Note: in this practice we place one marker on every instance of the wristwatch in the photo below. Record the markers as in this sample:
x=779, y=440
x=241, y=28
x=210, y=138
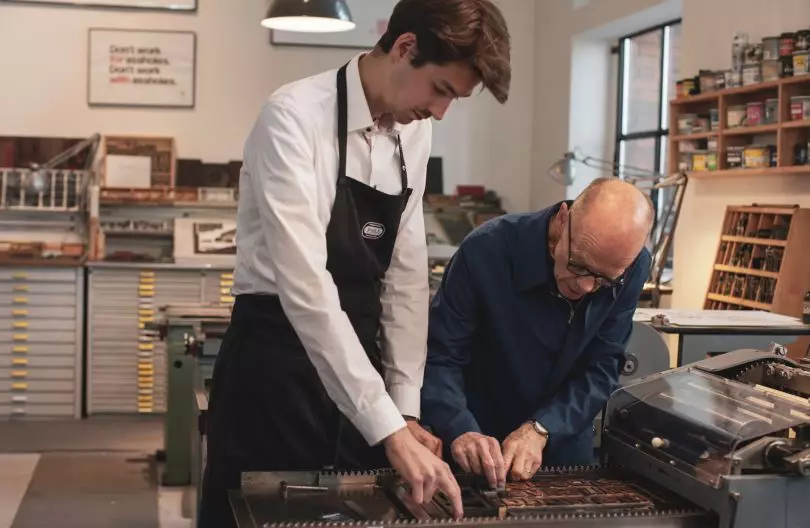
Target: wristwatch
x=539, y=429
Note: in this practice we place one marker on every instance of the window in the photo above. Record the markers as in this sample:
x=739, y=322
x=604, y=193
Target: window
x=647, y=73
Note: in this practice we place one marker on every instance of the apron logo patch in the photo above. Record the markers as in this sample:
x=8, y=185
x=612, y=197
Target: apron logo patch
x=373, y=230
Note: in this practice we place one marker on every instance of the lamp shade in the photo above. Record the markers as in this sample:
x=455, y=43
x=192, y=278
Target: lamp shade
x=309, y=16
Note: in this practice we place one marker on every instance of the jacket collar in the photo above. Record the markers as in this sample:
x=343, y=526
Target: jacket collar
x=358, y=113
x=533, y=265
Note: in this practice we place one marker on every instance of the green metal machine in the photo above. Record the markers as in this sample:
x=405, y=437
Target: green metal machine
x=193, y=334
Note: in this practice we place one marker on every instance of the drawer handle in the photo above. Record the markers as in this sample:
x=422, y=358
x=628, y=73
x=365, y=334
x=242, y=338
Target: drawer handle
x=146, y=346
x=19, y=324
x=228, y=276
x=226, y=284
x=145, y=399
x=226, y=299
x=225, y=291
x=146, y=312
x=21, y=287
x=19, y=373
x=20, y=337
x=19, y=398
x=19, y=362
x=143, y=293
x=145, y=409
x=147, y=274
x=20, y=275
x=145, y=319
x=144, y=391
x=19, y=312
x=147, y=280
x=20, y=349
x=19, y=386
x=17, y=410
x=20, y=300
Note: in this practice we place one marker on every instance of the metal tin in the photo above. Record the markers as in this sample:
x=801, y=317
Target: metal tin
x=720, y=79
x=757, y=156
x=800, y=107
x=751, y=73
x=707, y=81
x=770, y=48
x=802, y=40
x=771, y=70
x=753, y=113
x=787, y=66
x=686, y=122
x=734, y=77
x=734, y=157
x=771, y=111
x=711, y=160
x=787, y=43
x=735, y=116
x=700, y=160
x=711, y=143
x=701, y=124
x=714, y=119
x=801, y=63
x=685, y=161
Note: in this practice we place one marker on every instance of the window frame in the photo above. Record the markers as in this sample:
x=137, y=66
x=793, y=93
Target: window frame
x=659, y=134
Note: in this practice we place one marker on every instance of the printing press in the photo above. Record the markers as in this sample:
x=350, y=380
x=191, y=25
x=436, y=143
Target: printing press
x=720, y=443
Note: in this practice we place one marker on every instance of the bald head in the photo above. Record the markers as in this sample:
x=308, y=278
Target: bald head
x=611, y=221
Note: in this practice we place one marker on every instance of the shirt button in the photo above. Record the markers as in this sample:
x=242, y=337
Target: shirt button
x=368, y=129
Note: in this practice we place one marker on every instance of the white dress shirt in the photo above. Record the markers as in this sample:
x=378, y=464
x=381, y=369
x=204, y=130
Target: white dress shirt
x=286, y=191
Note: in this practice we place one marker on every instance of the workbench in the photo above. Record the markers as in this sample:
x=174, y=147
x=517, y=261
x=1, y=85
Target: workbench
x=706, y=333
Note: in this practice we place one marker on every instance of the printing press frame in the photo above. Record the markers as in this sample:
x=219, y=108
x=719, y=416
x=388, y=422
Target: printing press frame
x=654, y=429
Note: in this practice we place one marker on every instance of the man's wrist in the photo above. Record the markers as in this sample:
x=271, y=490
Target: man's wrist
x=538, y=428
x=410, y=418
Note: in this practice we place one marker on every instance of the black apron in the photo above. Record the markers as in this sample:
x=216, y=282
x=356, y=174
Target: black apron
x=268, y=408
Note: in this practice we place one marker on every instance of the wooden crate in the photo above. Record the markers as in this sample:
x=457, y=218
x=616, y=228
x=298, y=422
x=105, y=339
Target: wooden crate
x=762, y=262
x=162, y=150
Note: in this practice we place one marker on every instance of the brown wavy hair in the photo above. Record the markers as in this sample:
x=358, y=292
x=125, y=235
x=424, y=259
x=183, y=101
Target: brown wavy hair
x=471, y=31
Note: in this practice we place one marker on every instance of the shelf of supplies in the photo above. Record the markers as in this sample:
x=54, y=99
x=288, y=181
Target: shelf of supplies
x=799, y=123
x=739, y=302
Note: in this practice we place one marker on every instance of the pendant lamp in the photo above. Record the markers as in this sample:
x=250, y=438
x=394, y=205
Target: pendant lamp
x=309, y=16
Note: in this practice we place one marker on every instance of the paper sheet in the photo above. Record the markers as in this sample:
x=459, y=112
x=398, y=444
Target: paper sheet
x=738, y=318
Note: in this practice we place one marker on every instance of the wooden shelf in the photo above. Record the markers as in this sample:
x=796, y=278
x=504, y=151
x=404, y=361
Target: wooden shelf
x=752, y=130
x=783, y=135
x=736, y=173
x=762, y=263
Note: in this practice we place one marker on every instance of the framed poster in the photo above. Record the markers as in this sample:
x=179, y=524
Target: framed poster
x=170, y=5
x=141, y=68
x=370, y=18
x=204, y=241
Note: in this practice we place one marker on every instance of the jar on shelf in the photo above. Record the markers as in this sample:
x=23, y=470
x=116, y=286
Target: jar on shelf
x=771, y=111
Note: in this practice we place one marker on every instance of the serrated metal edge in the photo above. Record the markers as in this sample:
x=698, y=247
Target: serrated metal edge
x=491, y=519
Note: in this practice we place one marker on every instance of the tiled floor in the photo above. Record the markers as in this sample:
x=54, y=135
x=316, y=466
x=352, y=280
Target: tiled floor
x=97, y=472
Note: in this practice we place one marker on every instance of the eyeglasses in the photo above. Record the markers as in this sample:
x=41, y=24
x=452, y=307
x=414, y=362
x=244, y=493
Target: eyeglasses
x=579, y=270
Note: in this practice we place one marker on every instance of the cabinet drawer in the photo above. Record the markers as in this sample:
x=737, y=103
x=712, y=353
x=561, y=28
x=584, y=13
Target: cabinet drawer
x=21, y=410
x=38, y=289
x=38, y=312
x=23, y=361
x=24, y=324
x=38, y=275
x=24, y=387
x=36, y=398
x=39, y=336
x=26, y=349
x=30, y=374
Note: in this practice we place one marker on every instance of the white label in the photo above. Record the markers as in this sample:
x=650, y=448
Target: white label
x=373, y=230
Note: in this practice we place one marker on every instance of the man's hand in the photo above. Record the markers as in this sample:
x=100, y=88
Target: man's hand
x=425, y=438
x=423, y=470
x=523, y=452
x=480, y=454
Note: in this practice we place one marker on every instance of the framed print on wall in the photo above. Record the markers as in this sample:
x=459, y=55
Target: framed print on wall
x=129, y=67
x=369, y=16
x=159, y=5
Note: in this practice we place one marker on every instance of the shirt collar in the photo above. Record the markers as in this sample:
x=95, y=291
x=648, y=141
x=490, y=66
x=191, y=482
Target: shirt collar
x=358, y=113
x=533, y=265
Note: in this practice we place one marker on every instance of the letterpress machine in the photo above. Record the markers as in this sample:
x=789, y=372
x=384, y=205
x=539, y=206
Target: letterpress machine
x=721, y=443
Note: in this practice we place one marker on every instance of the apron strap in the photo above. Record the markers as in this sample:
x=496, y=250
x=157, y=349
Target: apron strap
x=342, y=122
x=403, y=169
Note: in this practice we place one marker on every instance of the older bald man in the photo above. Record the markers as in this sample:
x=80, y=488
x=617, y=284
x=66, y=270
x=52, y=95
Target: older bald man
x=528, y=331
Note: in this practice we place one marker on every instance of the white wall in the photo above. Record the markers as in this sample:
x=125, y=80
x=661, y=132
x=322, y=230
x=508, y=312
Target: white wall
x=707, y=33
x=571, y=38
x=44, y=90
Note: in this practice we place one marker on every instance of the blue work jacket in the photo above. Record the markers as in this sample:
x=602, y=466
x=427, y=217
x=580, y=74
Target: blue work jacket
x=505, y=348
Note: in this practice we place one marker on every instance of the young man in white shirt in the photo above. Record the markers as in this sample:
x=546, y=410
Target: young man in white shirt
x=332, y=260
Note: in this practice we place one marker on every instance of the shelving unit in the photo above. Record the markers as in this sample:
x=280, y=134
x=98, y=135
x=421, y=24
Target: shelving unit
x=723, y=135
x=762, y=262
